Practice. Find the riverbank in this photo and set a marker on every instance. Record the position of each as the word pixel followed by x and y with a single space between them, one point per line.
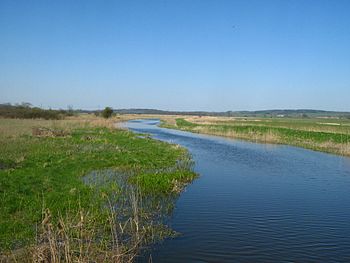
pixel 49 211
pixel 325 135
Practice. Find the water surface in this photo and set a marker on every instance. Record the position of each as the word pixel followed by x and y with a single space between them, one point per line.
pixel 257 203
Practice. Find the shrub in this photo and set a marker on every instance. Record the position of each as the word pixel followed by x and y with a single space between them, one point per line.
pixel 26 111
pixel 107 112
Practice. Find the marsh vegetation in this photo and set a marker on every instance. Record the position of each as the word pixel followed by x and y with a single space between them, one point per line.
pixel 322 134
pixel 51 210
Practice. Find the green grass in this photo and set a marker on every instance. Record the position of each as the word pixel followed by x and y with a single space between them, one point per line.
pixel 163 183
pixel 185 124
pixel 318 134
pixel 46 172
pixel 285 133
pixel 313 124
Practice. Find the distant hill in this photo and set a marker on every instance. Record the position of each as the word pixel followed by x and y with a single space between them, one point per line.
pixel 260 113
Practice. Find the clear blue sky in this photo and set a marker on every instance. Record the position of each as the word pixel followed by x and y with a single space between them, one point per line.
pixel 176 55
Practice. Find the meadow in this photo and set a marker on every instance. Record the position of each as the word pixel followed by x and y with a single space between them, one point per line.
pixel 322 134
pixel 49 212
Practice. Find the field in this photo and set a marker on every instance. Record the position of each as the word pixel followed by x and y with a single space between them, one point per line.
pixel 81 190
pixel 322 134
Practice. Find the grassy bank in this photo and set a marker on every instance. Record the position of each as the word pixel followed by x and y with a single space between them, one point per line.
pixel 48 209
pixel 327 135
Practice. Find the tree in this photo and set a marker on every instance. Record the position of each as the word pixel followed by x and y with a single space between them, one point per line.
pixel 107 112
pixel 26 105
pixel 70 110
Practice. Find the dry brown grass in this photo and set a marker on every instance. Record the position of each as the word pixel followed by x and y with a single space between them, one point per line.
pixel 207 119
pixel 18 127
pixel 331 147
pixel 78 238
pixel 269 137
pixel 312 125
pixel 214 126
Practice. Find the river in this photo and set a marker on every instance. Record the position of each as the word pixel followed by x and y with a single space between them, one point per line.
pixel 256 202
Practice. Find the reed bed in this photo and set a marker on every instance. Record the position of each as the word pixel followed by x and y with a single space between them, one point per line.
pixel 308 133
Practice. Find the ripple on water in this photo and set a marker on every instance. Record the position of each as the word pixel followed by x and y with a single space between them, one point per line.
pixel 255 203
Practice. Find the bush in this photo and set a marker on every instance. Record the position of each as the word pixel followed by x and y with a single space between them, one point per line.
pixel 107 112
pixel 26 111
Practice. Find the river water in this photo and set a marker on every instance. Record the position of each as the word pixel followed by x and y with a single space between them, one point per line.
pixel 256 203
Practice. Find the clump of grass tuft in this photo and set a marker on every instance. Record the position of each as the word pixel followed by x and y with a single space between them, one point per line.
pixel 47 132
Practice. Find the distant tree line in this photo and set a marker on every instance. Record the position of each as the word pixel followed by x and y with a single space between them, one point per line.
pixel 298 113
pixel 27 111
